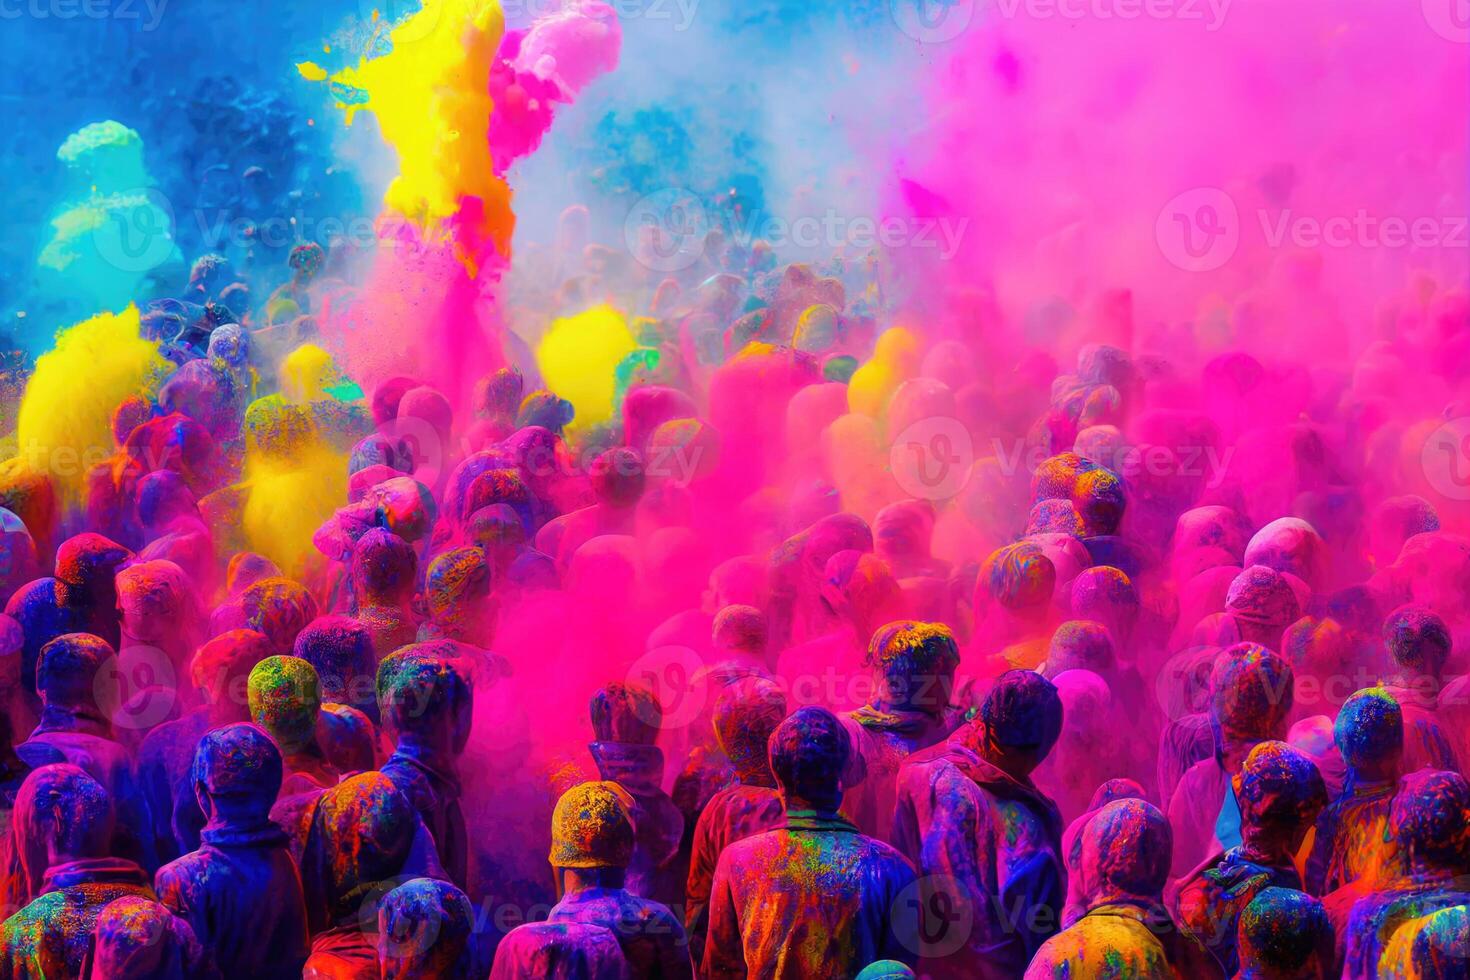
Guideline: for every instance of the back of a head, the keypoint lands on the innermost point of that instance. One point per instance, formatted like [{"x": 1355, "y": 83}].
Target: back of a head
[
  {"x": 1019, "y": 577},
  {"x": 1417, "y": 640},
  {"x": 1280, "y": 789},
  {"x": 592, "y": 827},
  {"x": 421, "y": 690},
  {"x": 226, "y": 660},
  {"x": 280, "y": 608},
  {"x": 1251, "y": 692},
  {"x": 1427, "y": 819},
  {"x": 745, "y": 715},
  {"x": 1279, "y": 934},
  {"x": 89, "y": 561},
  {"x": 383, "y": 565},
  {"x": 1369, "y": 730},
  {"x": 341, "y": 650},
  {"x": 1023, "y": 713},
  {"x": 67, "y": 671},
  {"x": 809, "y": 751},
  {"x": 362, "y": 832},
  {"x": 559, "y": 951},
  {"x": 1080, "y": 644},
  {"x": 61, "y": 807},
  {"x": 1262, "y": 603},
  {"x": 239, "y": 769},
  {"x": 136, "y": 938},
  {"x": 456, "y": 580},
  {"x": 1127, "y": 848},
  {"x": 626, "y": 713},
  {"x": 740, "y": 628},
  {"x": 618, "y": 477},
  {"x": 285, "y": 699},
  {"x": 162, "y": 496},
  {"x": 245, "y": 569},
  {"x": 916, "y": 662},
  {"x": 424, "y": 930}
]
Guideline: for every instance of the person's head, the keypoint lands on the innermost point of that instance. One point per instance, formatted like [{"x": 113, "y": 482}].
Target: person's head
[
  {"x": 1019, "y": 722},
  {"x": 626, "y": 713},
  {"x": 136, "y": 938},
  {"x": 457, "y": 592},
  {"x": 859, "y": 588},
  {"x": 617, "y": 477},
  {"x": 384, "y": 567},
  {"x": 1284, "y": 934},
  {"x": 1126, "y": 850},
  {"x": 221, "y": 670},
  {"x": 424, "y": 930},
  {"x": 498, "y": 395},
  {"x": 1369, "y": 733},
  {"x": 237, "y": 773},
  {"x": 499, "y": 531},
  {"x": 1251, "y": 695},
  {"x": 279, "y": 608},
  {"x": 1262, "y": 605},
  {"x": 68, "y": 672},
  {"x": 740, "y": 631},
  {"x": 592, "y": 831},
  {"x": 347, "y": 737},
  {"x": 1418, "y": 643},
  {"x": 341, "y": 650},
  {"x": 1106, "y": 595},
  {"x": 903, "y": 530},
  {"x": 61, "y": 814},
  {"x": 1081, "y": 644},
  {"x": 745, "y": 715},
  {"x": 362, "y": 833},
  {"x": 245, "y": 569},
  {"x": 285, "y": 699},
  {"x": 163, "y": 496},
  {"x": 809, "y": 752},
  {"x": 1427, "y": 820},
  {"x": 156, "y": 602},
  {"x": 913, "y": 664},
  {"x": 1280, "y": 793},
  {"x": 87, "y": 563},
  {"x": 424, "y": 698}
]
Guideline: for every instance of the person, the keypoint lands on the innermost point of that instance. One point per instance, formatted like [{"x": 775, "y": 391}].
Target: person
[
  {"x": 280, "y": 608},
  {"x": 384, "y": 571},
  {"x": 73, "y": 683},
  {"x": 1107, "y": 792},
  {"x": 285, "y": 700},
  {"x": 969, "y": 818},
  {"x": 220, "y": 670},
  {"x": 139, "y": 939},
  {"x": 62, "y": 839},
  {"x": 240, "y": 890},
  {"x": 1418, "y": 643},
  {"x": 1250, "y": 701},
  {"x": 1432, "y": 947},
  {"x": 814, "y": 898},
  {"x": 745, "y": 715},
  {"x": 342, "y": 652},
  {"x": 559, "y": 951},
  {"x": 592, "y": 841},
  {"x": 1349, "y": 841},
  {"x": 913, "y": 666},
  {"x": 1281, "y": 794},
  {"x": 626, "y": 720},
  {"x": 1284, "y": 933},
  {"x": 364, "y": 838},
  {"x": 1427, "y": 823},
  {"x": 426, "y": 704},
  {"x": 425, "y": 929},
  {"x": 1123, "y": 930}
]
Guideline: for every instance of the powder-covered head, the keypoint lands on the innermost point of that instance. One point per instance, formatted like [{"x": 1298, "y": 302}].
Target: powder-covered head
[
  {"x": 89, "y": 562},
  {"x": 285, "y": 698},
  {"x": 1279, "y": 934},
  {"x": 1369, "y": 730},
  {"x": 740, "y": 629},
  {"x": 1262, "y": 604},
  {"x": 1279, "y": 789},
  {"x": 914, "y": 662},
  {"x": 347, "y": 738},
  {"x": 1417, "y": 640},
  {"x": 745, "y": 715},
  {"x": 1106, "y": 595},
  {"x": 67, "y": 671},
  {"x": 904, "y": 529},
  {"x": 1116, "y": 789},
  {"x": 1080, "y": 645},
  {"x": 156, "y": 600},
  {"x": 809, "y": 752},
  {"x": 546, "y": 410},
  {"x": 221, "y": 668},
  {"x": 59, "y": 807},
  {"x": 618, "y": 477},
  {"x": 1100, "y": 500},
  {"x": 1023, "y": 712},
  {"x": 163, "y": 496},
  {"x": 1251, "y": 693},
  {"x": 592, "y": 827},
  {"x": 455, "y": 582},
  {"x": 1289, "y": 545},
  {"x": 1020, "y": 576},
  {"x": 1055, "y": 517},
  {"x": 237, "y": 771},
  {"x": 1126, "y": 850},
  {"x": 1427, "y": 819},
  {"x": 424, "y": 930},
  {"x": 860, "y": 587},
  {"x": 341, "y": 650},
  {"x": 886, "y": 970},
  {"x": 245, "y": 569},
  {"x": 280, "y": 608},
  {"x": 498, "y": 395},
  {"x": 387, "y": 394},
  {"x": 383, "y": 565},
  {"x": 422, "y": 692},
  {"x": 626, "y": 713}
]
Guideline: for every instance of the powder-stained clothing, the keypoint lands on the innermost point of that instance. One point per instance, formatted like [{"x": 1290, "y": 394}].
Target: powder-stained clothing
[
  {"x": 48, "y": 939},
  {"x": 656, "y": 871},
  {"x": 1209, "y": 902},
  {"x": 1375, "y": 919},
  {"x": 1194, "y": 813},
  {"x": 241, "y": 894},
  {"x": 1427, "y": 742},
  {"x": 733, "y": 814},
  {"x": 999, "y": 838},
  {"x": 1432, "y": 947},
  {"x": 812, "y": 899},
  {"x": 559, "y": 951},
  {"x": 884, "y": 739},
  {"x": 652, "y": 940},
  {"x": 1118, "y": 941},
  {"x": 435, "y": 794},
  {"x": 1349, "y": 842},
  {"x": 162, "y": 773}
]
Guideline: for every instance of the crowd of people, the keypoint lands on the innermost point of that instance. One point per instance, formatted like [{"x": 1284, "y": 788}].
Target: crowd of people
[{"x": 1070, "y": 721}]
